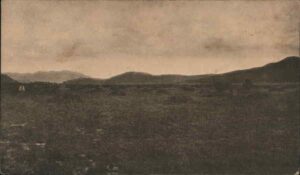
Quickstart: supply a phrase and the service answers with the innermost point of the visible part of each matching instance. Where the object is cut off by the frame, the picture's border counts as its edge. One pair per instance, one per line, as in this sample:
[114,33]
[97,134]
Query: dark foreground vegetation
[52,129]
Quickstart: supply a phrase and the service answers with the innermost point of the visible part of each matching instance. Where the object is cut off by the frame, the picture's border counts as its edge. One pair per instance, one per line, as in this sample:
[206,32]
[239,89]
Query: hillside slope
[5,79]
[286,70]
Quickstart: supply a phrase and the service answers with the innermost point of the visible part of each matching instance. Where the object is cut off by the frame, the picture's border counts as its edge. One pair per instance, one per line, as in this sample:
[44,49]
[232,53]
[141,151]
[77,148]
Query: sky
[105,38]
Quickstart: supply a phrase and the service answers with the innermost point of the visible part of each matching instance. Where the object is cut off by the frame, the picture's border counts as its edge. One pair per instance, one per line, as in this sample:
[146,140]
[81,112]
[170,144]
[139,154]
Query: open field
[150,129]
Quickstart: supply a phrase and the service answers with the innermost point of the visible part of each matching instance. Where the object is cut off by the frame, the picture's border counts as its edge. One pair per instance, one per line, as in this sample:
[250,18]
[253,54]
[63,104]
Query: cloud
[66,33]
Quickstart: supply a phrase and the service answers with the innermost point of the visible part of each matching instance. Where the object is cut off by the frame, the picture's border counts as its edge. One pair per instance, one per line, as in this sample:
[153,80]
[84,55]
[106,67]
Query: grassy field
[153,129]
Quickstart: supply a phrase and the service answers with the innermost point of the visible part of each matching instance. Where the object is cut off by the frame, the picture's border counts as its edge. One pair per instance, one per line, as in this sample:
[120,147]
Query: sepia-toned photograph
[150,87]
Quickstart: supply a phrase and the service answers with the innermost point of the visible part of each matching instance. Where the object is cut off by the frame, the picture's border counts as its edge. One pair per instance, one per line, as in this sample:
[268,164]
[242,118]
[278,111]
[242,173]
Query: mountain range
[286,70]
[46,76]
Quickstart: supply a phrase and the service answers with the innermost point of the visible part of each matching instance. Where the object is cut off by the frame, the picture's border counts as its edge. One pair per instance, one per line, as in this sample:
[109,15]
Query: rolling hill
[5,79]
[131,78]
[286,70]
[144,78]
[46,76]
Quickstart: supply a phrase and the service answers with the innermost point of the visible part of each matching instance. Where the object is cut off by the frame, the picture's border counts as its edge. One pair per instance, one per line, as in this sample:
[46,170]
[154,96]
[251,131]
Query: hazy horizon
[102,39]
[46,71]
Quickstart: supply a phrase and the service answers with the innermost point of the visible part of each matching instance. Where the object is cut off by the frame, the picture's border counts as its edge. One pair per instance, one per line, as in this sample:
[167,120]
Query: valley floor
[150,130]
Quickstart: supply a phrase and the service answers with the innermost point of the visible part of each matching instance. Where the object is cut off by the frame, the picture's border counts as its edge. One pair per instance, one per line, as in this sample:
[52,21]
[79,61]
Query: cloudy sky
[105,38]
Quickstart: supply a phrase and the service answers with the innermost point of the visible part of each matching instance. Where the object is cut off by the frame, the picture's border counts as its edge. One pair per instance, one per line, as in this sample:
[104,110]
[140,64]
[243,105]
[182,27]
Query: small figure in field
[21,88]
[298,172]
[112,169]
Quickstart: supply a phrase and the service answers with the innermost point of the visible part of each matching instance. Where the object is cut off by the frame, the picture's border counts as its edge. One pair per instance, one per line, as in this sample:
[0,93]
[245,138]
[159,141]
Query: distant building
[21,88]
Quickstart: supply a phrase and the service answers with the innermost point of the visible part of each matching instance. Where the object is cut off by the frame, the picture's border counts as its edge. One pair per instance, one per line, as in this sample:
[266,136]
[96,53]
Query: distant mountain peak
[134,73]
[60,71]
[47,76]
